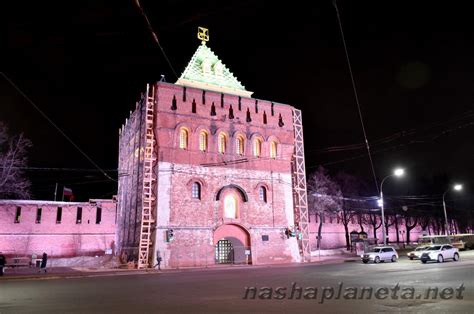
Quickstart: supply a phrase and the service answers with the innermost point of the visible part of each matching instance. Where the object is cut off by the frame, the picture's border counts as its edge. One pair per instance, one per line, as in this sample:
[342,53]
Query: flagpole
[55,191]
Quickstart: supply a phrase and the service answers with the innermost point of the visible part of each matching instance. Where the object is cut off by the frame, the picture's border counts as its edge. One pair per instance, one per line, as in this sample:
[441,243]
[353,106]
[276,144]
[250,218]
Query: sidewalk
[57,272]
[25,273]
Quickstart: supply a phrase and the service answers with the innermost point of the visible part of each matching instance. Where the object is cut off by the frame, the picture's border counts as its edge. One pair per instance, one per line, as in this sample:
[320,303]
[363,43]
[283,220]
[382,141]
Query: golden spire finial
[203,34]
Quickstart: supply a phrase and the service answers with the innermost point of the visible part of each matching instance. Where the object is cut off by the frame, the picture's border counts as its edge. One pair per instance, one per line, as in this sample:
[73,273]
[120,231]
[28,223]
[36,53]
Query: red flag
[68,192]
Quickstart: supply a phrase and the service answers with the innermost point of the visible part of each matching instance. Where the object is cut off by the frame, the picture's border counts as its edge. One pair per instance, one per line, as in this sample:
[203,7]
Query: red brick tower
[210,175]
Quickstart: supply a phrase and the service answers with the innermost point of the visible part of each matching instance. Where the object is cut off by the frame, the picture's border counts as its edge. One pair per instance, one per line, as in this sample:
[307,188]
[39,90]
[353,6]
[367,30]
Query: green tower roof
[206,71]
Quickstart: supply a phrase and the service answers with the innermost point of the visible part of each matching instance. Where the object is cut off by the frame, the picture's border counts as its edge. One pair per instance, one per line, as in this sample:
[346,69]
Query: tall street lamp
[397,173]
[456,187]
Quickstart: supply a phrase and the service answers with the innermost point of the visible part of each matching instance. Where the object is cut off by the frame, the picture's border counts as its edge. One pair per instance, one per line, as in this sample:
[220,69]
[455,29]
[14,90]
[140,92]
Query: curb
[109,273]
[70,275]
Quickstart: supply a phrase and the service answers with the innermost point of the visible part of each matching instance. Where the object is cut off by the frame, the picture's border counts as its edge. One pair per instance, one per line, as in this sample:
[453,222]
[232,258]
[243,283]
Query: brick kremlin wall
[30,233]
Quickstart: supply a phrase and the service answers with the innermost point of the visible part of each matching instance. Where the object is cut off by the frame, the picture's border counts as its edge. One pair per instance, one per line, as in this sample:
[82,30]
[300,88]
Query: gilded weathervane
[203,34]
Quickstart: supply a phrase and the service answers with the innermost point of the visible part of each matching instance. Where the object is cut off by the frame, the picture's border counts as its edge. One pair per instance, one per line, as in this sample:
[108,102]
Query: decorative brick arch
[178,128]
[258,135]
[200,128]
[203,187]
[273,138]
[268,191]
[196,179]
[240,133]
[241,191]
[221,130]
[228,231]
[265,185]
[183,125]
[210,139]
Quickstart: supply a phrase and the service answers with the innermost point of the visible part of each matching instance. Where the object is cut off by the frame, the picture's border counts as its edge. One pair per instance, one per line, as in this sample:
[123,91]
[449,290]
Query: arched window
[257,147]
[196,190]
[203,141]
[183,138]
[230,207]
[273,149]
[222,143]
[262,192]
[239,145]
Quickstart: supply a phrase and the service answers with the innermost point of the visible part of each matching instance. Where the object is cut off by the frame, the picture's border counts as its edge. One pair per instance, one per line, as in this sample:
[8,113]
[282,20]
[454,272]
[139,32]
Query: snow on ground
[106,261]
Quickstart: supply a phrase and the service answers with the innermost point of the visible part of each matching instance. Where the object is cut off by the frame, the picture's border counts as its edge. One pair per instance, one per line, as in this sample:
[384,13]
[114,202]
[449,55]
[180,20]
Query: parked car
[440,253]
[380,253]
[416,253]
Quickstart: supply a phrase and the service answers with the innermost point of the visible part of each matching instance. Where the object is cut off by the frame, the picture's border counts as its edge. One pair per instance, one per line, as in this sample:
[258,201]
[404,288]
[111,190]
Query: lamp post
[456,187]
[397,173]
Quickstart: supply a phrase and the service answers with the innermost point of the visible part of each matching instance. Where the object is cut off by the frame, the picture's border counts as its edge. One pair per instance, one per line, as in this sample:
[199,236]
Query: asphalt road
[325,288]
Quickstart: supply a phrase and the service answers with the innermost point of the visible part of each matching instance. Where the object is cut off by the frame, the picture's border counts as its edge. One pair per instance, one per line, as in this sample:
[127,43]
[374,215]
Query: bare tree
[349,188]
[435,226]
[424,221]
[13,183]
[390,218]
[374,222]
[324,195]
[395,223]
[361,220]
[410,223]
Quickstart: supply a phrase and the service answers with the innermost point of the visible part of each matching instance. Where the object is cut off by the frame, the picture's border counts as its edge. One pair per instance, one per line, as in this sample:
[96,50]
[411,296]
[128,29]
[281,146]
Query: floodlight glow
[458,187]
[399,172]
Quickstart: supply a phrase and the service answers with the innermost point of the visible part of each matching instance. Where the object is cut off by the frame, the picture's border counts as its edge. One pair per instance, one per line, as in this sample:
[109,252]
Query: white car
[416,253]
[440,253]
[380,253]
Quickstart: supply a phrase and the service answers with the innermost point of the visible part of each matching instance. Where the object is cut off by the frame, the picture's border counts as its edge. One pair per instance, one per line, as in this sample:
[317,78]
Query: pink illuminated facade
[61,229]
[333,234]
[223,184]
[222,174]
[207,175]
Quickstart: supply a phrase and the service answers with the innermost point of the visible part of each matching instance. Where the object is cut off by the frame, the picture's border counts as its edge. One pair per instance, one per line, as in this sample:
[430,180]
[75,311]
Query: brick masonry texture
[257,233]
[195,222]
[65,238]
[333,234]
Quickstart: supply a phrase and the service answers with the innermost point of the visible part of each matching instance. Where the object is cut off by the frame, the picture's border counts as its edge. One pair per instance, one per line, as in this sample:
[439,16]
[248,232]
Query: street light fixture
[456,187]
[397,173]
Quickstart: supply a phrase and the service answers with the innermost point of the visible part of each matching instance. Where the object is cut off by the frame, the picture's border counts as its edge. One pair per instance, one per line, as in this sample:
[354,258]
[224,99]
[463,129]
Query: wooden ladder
[148,179]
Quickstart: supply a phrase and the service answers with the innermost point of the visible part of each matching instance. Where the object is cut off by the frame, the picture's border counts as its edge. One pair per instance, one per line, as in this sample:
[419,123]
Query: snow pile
[341,251]
[106,261]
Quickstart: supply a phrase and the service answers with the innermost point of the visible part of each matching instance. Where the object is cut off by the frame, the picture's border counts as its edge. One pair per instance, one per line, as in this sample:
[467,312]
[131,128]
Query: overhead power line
[155,37]
[356,96]
[61,169]
[57,128]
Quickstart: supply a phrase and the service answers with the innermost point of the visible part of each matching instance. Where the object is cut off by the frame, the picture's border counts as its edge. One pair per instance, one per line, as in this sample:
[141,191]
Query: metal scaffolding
[299,186]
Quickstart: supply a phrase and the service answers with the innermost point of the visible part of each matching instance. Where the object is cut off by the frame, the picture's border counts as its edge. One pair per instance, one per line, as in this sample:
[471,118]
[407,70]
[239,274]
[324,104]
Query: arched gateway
[204,175]
[232,244]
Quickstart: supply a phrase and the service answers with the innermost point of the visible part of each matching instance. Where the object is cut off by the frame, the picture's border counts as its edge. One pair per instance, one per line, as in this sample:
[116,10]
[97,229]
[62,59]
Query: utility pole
[456,187]
[55,191]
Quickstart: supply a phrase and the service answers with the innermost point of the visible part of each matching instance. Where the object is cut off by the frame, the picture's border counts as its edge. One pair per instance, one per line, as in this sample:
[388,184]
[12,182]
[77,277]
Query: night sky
[412,62]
